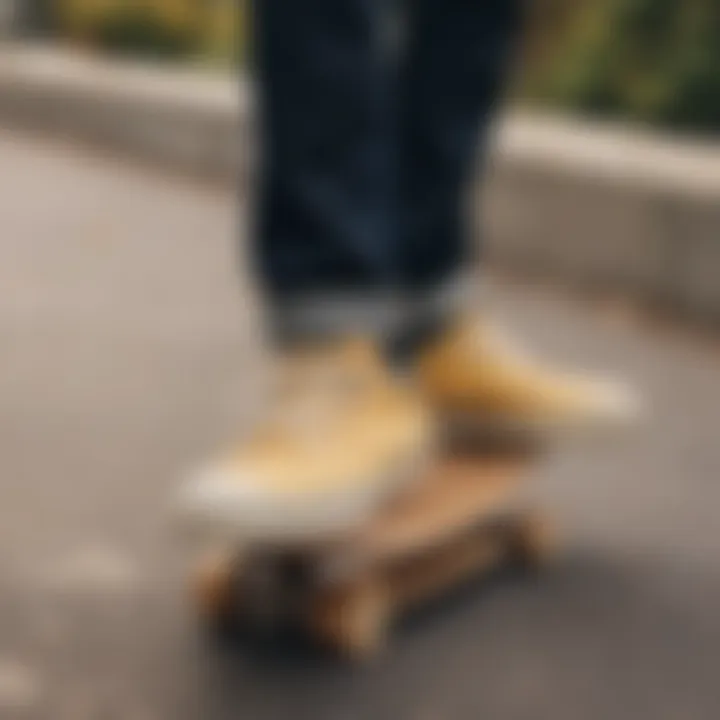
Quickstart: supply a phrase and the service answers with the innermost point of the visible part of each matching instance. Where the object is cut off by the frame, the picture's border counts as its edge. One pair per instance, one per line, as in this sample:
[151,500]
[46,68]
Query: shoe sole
[471,431]
[211,511]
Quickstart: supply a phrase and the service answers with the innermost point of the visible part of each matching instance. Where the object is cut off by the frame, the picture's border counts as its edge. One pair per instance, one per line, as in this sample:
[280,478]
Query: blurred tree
[146,27]
[652,60]
[222,34]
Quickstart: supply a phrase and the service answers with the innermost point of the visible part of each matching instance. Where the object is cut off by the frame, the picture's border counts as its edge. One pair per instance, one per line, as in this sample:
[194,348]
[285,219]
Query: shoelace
[308,397]
[500,342]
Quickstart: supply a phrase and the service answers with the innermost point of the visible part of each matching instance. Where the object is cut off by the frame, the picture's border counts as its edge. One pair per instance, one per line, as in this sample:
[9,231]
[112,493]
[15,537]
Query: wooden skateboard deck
[467,516]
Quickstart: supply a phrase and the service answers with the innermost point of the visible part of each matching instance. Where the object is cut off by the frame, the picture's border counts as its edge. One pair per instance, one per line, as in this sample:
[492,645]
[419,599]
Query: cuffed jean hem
[386,317]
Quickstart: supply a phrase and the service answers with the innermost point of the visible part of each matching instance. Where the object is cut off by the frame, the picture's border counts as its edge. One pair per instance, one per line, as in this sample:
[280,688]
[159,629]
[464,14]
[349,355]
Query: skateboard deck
[468,515]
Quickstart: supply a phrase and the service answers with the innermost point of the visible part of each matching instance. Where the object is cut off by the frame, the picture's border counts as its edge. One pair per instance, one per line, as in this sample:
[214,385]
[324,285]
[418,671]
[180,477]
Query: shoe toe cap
[218,496]
[230,504]
[617,402]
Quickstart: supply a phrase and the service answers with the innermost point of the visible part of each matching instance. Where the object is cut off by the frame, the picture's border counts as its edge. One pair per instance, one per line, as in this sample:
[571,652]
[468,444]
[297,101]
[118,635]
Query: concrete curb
[583,203]
[610,207]
[189,119]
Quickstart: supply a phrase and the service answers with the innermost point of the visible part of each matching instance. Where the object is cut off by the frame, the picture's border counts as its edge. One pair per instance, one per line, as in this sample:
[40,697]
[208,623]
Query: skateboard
[470,514]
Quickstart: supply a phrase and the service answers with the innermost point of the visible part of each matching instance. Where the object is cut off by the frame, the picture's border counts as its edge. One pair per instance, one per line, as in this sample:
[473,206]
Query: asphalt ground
[127,350]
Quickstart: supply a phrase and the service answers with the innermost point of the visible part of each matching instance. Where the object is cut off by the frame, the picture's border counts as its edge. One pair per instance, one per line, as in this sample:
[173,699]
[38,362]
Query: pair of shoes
[344,433]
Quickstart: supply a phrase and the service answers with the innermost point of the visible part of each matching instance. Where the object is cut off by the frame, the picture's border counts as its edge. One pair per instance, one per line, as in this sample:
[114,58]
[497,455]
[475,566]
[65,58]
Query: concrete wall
[610,207]
[190,120]
[588,204]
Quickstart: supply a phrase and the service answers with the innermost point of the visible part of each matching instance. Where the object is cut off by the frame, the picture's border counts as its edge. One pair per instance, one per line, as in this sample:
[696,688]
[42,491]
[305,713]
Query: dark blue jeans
[371,112]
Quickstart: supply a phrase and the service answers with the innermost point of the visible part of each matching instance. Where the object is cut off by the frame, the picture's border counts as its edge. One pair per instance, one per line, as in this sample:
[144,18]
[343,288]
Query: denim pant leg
[366,158]
[322,238]
[455,64]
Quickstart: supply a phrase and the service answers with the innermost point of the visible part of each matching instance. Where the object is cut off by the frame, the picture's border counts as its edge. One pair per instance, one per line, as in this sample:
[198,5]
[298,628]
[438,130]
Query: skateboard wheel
[214,589]
[352,619]
[534,542]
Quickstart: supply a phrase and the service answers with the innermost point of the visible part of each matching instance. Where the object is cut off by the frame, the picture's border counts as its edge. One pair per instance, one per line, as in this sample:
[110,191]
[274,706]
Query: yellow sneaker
[477,380]
[342,435]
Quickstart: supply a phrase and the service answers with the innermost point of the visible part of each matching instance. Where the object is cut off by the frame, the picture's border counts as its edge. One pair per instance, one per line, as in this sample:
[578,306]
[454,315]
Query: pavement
[127,349]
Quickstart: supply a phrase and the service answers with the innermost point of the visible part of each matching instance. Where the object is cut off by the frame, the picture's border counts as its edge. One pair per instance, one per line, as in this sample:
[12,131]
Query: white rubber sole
[623,411]
[215,506]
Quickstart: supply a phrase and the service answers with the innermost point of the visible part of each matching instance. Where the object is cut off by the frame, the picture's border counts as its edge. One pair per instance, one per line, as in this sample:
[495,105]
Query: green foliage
[650,60]
[654,61]
[223,38]
[208,29]
[139,31]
